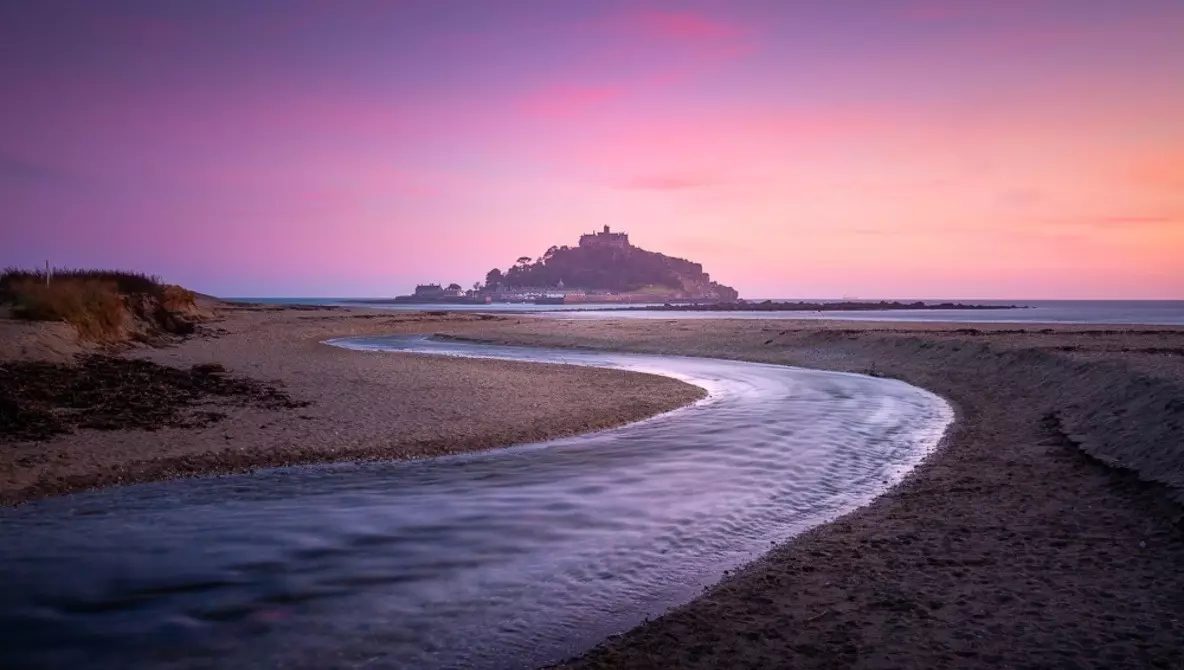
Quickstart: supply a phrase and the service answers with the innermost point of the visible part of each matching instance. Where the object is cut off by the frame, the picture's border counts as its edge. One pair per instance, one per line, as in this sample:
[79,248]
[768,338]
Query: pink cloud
[1164,170]
[1114,222]
[708,40]
[567,100]
[936,10]
[643,50]
[686,150]
[686,37]
[667,182]
[1123,221]
[683,26]
[824,123]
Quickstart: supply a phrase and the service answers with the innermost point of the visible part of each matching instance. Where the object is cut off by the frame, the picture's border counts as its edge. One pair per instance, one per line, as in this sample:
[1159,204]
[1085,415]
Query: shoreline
[340,405]
[1017,544]
[805,306]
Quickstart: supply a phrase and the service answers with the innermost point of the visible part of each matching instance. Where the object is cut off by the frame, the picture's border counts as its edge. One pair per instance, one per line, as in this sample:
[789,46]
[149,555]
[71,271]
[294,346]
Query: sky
[876,149]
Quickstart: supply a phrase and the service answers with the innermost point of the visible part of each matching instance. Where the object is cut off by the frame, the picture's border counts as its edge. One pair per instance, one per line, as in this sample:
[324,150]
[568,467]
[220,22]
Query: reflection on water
[508,558]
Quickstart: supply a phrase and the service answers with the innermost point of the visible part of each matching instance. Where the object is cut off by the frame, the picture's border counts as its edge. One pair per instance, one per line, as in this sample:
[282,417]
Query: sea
[1116,312]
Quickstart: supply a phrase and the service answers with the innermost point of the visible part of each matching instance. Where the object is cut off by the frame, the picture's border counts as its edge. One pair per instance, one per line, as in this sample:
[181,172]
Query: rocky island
[603,268]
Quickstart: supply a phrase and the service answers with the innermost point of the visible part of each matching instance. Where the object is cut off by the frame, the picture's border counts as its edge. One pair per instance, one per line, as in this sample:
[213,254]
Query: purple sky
[929,148]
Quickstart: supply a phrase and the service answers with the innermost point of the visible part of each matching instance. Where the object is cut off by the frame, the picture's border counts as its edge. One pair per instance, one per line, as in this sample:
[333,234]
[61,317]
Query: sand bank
[344,405]
[1014,546]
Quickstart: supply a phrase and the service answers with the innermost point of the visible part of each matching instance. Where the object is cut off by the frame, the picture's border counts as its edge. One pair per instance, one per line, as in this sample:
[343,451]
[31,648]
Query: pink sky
[932,149]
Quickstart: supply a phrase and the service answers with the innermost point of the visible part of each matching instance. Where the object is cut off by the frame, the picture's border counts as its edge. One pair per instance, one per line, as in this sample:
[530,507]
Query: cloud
[1127,220]
[667,182]
[705,41]
[935,10]
[642,50]
[1114,221]
[1163,170]
[1022,197]
[688,26]
[691,39]
[567,100]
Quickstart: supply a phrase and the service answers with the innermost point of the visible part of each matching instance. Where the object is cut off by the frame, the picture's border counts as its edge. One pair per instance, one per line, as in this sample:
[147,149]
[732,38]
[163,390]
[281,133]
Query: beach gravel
[297,401]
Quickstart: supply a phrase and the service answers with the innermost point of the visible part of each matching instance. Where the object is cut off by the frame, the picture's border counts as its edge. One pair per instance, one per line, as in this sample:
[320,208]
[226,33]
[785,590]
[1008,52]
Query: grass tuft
[94,308]
[98,303]
[129,283]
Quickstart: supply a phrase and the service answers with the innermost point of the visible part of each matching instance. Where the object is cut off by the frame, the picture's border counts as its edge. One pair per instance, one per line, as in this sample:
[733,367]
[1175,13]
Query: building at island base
[451,294]
[437,291]
[562,296]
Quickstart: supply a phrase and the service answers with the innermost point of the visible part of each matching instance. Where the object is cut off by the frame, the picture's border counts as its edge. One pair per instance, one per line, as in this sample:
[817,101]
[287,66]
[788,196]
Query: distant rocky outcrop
[606,261]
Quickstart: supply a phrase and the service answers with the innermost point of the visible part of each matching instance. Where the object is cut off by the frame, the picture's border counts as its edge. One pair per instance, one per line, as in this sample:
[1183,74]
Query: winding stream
[506,558]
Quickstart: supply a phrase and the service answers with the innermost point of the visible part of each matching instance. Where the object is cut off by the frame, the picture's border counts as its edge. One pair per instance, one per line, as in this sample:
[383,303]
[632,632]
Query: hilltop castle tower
[605,238]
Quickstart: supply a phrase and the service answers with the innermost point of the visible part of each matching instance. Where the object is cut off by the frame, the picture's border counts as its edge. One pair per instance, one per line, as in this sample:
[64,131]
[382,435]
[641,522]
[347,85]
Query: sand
[1013,547]
[1046,532]
[359,405]
[43,341]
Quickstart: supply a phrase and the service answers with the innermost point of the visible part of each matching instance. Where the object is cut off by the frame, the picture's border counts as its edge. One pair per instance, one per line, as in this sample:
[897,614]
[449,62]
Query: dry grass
[98,303]
[94,307]
[178,298]
[125,282]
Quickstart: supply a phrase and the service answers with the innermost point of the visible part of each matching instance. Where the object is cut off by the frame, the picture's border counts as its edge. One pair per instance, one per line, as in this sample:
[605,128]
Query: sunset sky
[884,148]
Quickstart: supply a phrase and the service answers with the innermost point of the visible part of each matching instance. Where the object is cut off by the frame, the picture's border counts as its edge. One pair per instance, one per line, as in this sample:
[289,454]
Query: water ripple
[508,558]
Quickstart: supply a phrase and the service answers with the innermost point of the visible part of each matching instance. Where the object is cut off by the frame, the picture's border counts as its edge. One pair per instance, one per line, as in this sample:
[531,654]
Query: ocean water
[1116,312]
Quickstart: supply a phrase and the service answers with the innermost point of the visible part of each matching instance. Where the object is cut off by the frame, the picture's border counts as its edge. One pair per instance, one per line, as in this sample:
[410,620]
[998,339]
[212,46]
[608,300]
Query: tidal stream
[501,559]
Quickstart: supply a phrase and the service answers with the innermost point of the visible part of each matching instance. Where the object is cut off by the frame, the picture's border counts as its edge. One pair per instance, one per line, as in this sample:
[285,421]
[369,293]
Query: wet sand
[337,405]
[1015,546]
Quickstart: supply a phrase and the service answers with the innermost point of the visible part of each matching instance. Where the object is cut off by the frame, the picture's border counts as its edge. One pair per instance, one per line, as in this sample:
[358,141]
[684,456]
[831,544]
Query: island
[603,268]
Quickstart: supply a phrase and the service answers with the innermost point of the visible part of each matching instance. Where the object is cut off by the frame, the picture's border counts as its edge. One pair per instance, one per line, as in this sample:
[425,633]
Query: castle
[605,238]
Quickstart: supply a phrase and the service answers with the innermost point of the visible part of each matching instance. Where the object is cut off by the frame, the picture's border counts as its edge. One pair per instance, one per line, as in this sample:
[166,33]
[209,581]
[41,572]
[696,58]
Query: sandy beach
[1045,533]
[345,405]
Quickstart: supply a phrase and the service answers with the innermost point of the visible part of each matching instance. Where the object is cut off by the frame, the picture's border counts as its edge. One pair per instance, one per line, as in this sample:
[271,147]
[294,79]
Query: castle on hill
[603,267]
[605,238]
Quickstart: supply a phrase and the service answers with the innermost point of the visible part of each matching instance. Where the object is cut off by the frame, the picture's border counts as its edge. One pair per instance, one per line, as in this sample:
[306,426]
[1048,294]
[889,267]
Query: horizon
[755,299]
[946,148]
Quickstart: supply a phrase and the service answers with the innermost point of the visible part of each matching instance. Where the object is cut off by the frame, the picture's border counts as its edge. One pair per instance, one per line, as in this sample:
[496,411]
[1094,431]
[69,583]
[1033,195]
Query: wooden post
[47,271]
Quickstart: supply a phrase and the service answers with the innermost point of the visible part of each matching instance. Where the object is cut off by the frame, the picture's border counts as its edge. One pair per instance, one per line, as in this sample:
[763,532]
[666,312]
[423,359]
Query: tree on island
[493,278]
[454,286]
